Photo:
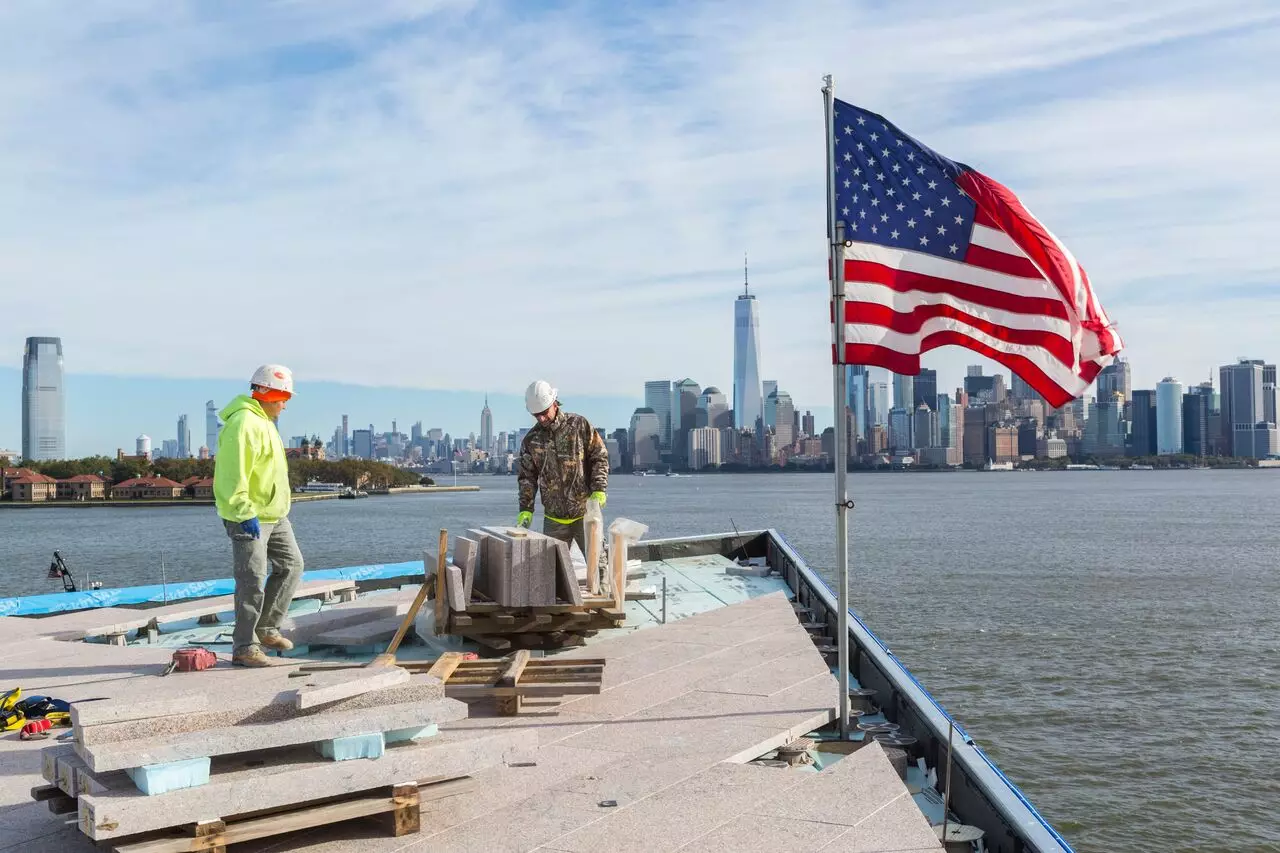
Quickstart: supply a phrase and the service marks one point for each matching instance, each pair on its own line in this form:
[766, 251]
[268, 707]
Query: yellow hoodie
[250, 472]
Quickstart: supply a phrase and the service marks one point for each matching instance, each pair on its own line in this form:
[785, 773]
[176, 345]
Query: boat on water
[742, 585]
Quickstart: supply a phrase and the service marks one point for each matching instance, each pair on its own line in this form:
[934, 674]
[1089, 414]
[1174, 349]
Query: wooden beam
[515, 669]
[445, 665]
[442, 601]
[388, 657]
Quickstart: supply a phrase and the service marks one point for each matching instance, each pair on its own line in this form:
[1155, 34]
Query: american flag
[941, 254]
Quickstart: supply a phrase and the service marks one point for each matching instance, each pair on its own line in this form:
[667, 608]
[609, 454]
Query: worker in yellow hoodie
[251, 490]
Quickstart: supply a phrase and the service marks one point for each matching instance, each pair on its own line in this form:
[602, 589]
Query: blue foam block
[416, 733]
[158, 778]
[353, 746]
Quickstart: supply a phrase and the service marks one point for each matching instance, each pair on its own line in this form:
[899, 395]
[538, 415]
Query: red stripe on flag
[910, 323]
[996, 261]
[903, 281]
[982, 216]
[909, 364]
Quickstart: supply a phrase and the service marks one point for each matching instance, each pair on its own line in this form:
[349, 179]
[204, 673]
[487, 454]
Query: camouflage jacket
[566, 461]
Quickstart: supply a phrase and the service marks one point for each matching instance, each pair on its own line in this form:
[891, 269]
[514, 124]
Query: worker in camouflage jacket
[566, 460]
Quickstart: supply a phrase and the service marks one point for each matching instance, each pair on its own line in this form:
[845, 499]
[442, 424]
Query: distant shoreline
[205, 502]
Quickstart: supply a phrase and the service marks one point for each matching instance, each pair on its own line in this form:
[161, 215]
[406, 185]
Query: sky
[425, 197]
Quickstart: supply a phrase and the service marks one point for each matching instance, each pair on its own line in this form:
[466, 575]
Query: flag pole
[835, 237]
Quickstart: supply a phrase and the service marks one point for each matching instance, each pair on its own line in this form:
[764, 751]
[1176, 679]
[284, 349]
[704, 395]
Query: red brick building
[82, 487]
[31, 487]
[147, 488]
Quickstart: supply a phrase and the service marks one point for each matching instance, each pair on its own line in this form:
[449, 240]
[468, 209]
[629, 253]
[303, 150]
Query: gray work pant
[573, 532]
[267, 572]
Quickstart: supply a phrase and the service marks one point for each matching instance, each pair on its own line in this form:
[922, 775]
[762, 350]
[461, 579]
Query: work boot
[273, 639]
[251, 656]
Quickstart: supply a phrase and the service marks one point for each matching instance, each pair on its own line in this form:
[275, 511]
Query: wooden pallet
[507, 680]
[397, 805]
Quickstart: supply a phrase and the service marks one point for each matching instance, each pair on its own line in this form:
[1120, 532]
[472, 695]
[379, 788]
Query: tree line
[356, 473]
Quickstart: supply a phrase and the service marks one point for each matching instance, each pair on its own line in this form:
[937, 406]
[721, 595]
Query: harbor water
[1110, 638]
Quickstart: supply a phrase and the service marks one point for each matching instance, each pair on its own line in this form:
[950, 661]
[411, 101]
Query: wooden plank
[40, 793]
[456, 589]
[405, 818]
[511, 676]
[480, 691]
[618, 555]
[350, 684]
[492, 642]
[388, 657]
[444, 666]
[306, 817]
[594, 538]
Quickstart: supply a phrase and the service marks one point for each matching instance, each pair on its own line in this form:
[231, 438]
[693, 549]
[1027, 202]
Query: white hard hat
[274, 376]
[539, 397]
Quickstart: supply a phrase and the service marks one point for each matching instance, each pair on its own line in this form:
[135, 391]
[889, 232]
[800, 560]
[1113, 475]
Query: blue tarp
[59, 602]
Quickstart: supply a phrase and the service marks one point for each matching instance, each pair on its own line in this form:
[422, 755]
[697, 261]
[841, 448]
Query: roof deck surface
[658, 761]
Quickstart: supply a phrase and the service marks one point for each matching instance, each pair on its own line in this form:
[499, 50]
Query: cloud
[462, 196]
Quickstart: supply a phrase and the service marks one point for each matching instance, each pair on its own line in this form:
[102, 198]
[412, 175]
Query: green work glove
[599, 498]
[524, 519]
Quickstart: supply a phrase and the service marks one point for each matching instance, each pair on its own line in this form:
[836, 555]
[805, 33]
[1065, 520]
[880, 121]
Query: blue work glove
[599, 498]
[524, 519]
[251, 527]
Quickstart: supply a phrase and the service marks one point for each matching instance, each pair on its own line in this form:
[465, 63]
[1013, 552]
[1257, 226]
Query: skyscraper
[1115, 377]
[904, 392]
[44, 400]
[748, 402]
[1195, 423]
[786, 418]
[184, 438]
[713, 409]
[1144, 422]
[1243, 405]
[1020, 390]
[346, 439]
[1169, 438]
[684, 416]
[212, 426]
[645, 438]
[657, 397]
[926, 388]
[486, 427]
[858, 400]
[771, 403]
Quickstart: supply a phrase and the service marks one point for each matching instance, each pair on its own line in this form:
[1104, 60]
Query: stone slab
[678, 815]
[466, 552]
[456, 588]
[361, 633]
[302, 629]
[776, 835]
[898, 827]
[292, 779]
[264, 707]
[567, 587]
[248, 738]
[323, 688]
[861, 783]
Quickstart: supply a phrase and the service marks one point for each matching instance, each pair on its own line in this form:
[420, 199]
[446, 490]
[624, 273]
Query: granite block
[267, 705]
[771, 676]
[323, 688]
[229, 740]
[291, 777]
[154, 779]
[350, 747]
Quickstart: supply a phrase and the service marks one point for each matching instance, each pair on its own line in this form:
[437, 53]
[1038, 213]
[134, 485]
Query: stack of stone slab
[514, 567]
[190, 754]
